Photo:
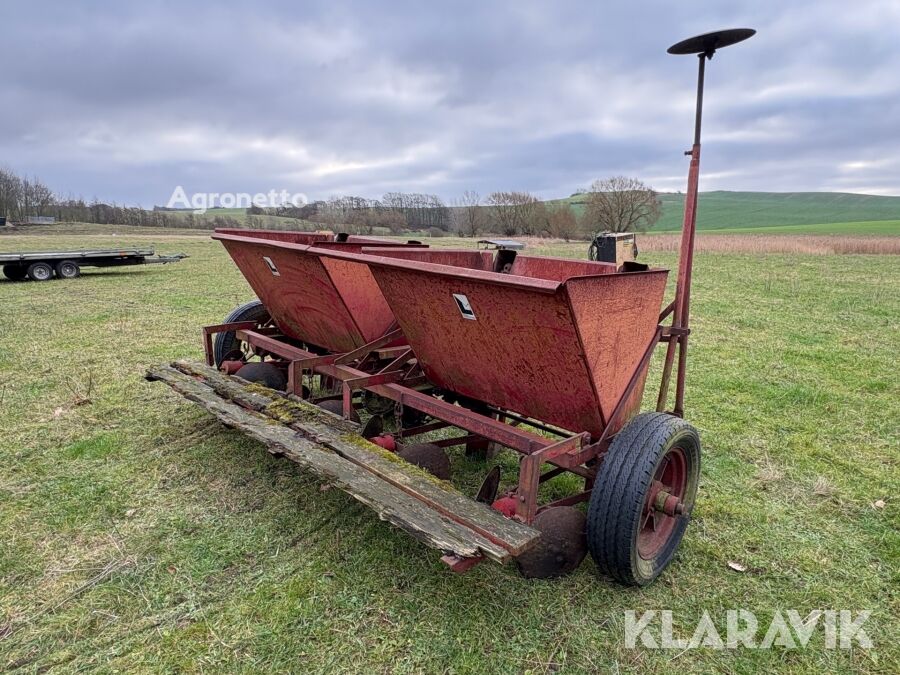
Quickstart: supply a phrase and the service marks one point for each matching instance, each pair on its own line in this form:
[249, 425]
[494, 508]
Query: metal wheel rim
[656, 527]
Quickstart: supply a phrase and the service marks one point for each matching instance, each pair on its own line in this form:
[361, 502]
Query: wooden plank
[389, 502]
[317, 425]
[285, 408]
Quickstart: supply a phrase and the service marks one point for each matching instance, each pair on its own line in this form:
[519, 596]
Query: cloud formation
[124, 101]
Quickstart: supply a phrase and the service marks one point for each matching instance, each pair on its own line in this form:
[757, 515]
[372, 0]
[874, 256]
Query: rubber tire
[226, 342]
[265, 374]
[15, 272]
[35, 270]
[67, 269]
[617, 499]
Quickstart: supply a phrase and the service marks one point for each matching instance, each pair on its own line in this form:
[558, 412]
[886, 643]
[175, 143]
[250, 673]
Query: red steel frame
[398, 381]
[401, 381]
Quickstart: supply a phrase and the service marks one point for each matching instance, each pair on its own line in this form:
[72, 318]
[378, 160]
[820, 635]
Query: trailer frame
[67, 264]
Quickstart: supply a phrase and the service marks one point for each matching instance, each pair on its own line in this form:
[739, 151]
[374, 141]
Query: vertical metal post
[704, 46]
[680, 318]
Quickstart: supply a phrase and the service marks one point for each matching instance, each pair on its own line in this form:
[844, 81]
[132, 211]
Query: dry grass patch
[799, 244]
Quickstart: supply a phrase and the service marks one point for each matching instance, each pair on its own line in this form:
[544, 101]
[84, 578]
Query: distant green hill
[748, 210]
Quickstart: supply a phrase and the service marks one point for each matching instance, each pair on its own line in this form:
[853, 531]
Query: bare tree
[23, 197]
[621, 204]
[514, 212]
[468, 214]
[421, 211]
[561, 221]
[536, 220]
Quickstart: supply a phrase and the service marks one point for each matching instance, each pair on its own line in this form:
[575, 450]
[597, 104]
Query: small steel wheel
[427, 456]
[14, 272]
[643, 496]
[561, 547]
[266, 374]
[336, 406]
[226, 346]
[67, 269]
[40, 271]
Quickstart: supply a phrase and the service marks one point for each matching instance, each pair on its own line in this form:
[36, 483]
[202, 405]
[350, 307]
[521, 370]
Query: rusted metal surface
[208, 332]
[557, 269]
[299, 294]
[459, 564]
[663, 505]
[332, 303]
[681, 304]
[476, 260]
[561, 344]
[616, 316]
[305, 238]
[558, 344]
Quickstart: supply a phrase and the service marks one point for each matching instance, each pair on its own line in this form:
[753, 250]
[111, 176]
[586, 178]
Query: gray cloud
[125, 101]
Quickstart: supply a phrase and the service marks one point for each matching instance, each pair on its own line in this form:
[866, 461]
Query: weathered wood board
[430, 510]
[331, 431]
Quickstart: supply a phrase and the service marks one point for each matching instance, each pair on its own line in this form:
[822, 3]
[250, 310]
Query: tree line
[396, 211]
[617, 204]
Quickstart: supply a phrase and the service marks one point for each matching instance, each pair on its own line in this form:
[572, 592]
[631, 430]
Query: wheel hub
[664, 503]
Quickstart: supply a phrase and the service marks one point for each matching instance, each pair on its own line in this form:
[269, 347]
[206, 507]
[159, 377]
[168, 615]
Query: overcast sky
[125, 100]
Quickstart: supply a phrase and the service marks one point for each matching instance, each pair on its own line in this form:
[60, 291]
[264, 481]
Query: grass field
[886, 228]
[818, 212]
[756, 242]
[139, 534]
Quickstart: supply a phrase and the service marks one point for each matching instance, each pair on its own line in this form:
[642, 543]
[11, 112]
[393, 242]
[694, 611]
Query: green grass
[207, 219]
[862, 228]
[139, 534]
[850, 213]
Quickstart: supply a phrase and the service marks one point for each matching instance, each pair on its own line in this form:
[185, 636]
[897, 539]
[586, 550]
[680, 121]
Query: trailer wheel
[643, 496]
[14, 272]
[67, 269]
[226, 344]
[40, 271]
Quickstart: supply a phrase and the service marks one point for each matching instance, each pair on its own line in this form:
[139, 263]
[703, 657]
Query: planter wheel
[642, 499]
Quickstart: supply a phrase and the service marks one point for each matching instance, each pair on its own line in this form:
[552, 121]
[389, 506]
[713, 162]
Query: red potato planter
[545, 357]
[332, 304]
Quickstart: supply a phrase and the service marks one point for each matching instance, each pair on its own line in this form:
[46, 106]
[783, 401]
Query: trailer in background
[44, 265]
